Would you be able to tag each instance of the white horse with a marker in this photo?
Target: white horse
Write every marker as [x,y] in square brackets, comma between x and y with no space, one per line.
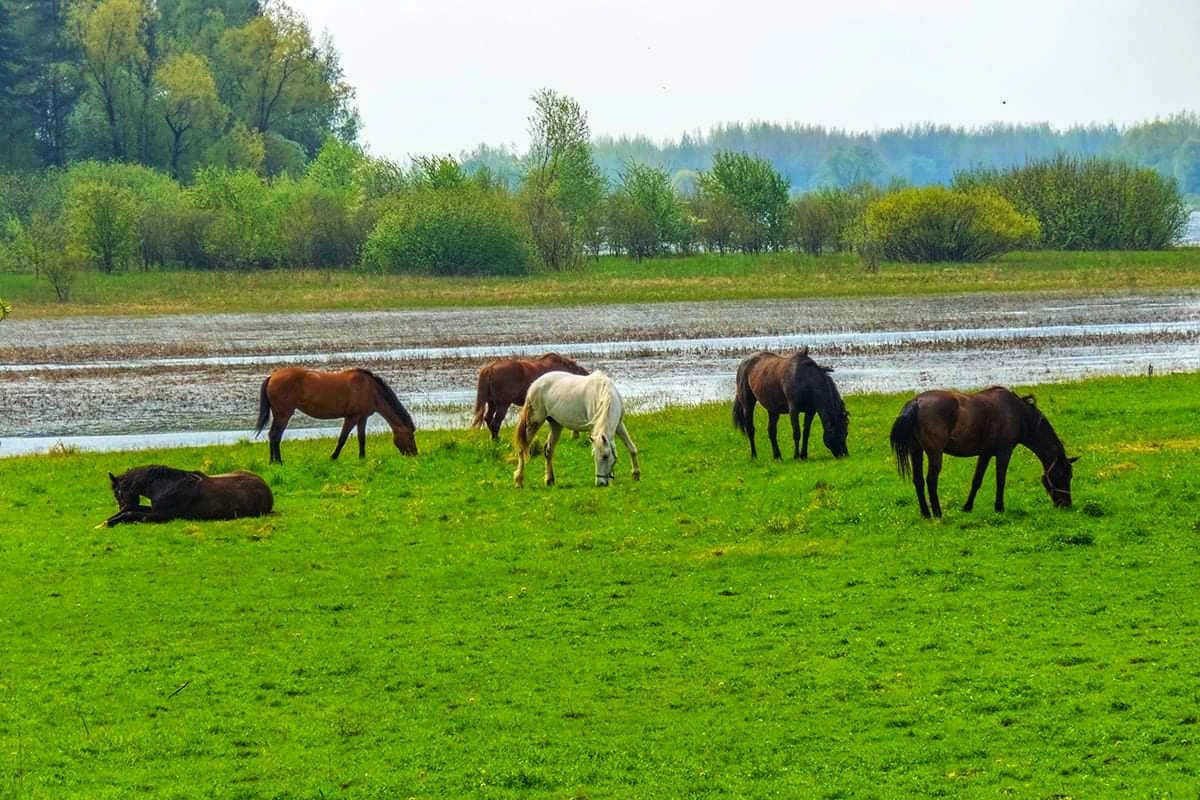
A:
[578,403]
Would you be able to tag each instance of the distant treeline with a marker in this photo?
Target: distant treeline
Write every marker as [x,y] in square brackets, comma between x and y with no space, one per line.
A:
[811,157]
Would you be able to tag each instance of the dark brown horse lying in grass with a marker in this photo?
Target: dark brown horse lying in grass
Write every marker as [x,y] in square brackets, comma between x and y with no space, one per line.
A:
[985,424]
[505,382]
[352,395]
[179,494]
[790,385]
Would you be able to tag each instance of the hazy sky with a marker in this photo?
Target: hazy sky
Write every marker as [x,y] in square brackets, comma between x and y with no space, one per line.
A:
[442,76]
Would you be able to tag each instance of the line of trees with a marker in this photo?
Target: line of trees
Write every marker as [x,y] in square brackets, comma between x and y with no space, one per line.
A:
[349,210]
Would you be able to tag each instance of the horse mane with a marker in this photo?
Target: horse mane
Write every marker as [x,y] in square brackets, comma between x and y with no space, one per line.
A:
[390,396]
[604,400]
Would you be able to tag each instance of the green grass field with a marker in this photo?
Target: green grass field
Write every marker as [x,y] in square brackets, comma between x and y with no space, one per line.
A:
[704,277]
[722,628]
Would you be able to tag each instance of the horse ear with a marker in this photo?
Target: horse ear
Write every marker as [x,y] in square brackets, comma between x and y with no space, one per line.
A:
[1072,460]
[112,477]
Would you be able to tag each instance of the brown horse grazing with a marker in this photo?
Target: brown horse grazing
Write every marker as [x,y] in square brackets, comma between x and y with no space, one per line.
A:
[178,494]
[985,424]
[353,394]
[505,382]
[790,385]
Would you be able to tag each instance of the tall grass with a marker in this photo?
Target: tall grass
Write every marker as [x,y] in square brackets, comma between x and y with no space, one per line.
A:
[722,628]
[705,277]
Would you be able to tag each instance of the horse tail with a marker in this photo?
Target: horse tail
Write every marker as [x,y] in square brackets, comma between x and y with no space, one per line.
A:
[741,420]
[904,433]
[482,390]
[521,432]
[264,407]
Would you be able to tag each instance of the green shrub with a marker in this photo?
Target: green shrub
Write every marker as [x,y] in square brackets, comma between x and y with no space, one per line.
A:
[450,232]
[1090,204]
[932,223]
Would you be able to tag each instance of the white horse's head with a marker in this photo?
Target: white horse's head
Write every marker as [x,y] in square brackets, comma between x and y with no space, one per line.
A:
[604,451]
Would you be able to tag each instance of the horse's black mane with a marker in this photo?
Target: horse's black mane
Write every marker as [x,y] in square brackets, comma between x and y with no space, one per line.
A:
[156,472]
[391,398]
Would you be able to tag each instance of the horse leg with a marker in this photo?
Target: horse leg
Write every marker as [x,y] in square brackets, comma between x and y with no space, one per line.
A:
[362,436]
[981,465]
[808,427]
[526,430]
[551,442]
[748,409]
[931,481]
[633,454]
[794,418]
[279,423]
[917,458]
[347,425]
[496,418]
[772,434]
[138,514]
[1002,459]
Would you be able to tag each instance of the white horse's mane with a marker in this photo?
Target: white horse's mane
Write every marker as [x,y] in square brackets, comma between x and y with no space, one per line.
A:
[604,393]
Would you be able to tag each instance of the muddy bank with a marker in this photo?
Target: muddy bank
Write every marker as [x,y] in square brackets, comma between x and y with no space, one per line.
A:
[194,379]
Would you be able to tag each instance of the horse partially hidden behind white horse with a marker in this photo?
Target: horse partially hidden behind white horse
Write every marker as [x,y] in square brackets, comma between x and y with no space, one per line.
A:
[579,403]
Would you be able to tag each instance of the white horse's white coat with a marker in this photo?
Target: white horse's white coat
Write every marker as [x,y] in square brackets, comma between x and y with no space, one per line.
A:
[580,403]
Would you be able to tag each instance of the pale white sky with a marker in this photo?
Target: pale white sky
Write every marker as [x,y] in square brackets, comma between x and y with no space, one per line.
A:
[442,76]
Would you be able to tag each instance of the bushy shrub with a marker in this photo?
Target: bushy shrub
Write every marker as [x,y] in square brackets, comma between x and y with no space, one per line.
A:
[450,232]
[1090,204]
[933,223]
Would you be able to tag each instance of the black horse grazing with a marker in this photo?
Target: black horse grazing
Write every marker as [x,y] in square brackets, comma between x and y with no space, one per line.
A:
[988,423]
[179,494]
[790,385]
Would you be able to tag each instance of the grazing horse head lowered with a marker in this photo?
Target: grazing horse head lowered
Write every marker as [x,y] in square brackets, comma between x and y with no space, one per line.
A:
[351,395]
[790,385]
[580,403]
[988,423]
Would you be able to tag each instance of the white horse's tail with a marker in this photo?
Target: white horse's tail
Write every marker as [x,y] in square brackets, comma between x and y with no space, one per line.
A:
[520,436]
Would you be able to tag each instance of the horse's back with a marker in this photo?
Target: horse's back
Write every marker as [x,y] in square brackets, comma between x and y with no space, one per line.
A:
[967,424]
[572,400]
[323,395]
[237,494]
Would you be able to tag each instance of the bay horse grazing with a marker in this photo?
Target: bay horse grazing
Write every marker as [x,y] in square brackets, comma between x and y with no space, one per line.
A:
[989,423]
[790,385]
[179,494]
[579,403]
[504,383]
[352,394]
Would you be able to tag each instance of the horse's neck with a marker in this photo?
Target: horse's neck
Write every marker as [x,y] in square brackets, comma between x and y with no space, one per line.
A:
[1043,441]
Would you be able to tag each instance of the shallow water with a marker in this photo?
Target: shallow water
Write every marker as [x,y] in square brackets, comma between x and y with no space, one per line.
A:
[109,383]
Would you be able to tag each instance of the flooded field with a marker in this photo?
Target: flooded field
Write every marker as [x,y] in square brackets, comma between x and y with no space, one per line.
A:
[123,382]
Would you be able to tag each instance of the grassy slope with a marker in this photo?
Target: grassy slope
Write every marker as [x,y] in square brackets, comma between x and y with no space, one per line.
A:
[724,628]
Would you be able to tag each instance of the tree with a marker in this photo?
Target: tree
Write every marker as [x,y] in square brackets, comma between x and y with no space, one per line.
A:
[644,212]
[186,97]
[562,188]
[277,81]
[102,223]
[852,164]
[112,38]
[754,191]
